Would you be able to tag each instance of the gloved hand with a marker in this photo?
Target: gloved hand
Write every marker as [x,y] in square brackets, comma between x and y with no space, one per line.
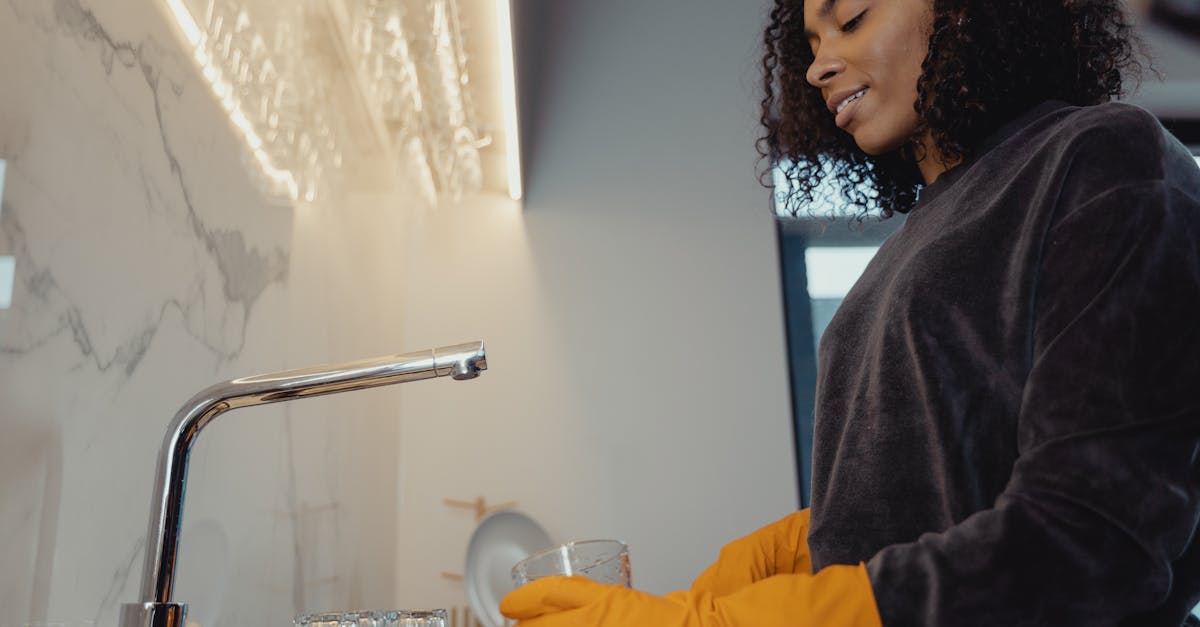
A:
[780,548]
[838,596]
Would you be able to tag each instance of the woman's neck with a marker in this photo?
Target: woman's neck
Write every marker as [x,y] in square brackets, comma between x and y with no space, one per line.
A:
[932,165]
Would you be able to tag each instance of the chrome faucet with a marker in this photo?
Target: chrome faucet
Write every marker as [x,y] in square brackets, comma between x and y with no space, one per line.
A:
[461,362]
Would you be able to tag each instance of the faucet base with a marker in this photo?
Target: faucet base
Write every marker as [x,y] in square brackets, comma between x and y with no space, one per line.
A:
[152,614]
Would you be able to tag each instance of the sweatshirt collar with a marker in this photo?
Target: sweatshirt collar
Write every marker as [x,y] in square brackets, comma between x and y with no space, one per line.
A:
[997,137]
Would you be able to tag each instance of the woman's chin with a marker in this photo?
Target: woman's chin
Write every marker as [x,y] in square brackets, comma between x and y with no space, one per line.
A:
[870,150]
[873,146]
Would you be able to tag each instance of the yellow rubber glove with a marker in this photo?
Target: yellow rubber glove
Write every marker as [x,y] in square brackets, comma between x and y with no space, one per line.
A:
[838,596]
[780,548]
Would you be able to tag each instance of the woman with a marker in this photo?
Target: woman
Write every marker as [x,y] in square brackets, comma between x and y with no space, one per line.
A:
[1006,432]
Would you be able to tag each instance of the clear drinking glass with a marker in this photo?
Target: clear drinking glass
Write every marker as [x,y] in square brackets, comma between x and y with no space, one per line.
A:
[606,561]
[374,618]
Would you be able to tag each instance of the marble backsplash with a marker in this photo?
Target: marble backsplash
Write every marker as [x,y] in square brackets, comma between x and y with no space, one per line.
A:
[148,265]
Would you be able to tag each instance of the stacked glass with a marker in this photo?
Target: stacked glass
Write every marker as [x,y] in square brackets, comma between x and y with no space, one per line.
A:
[374,618]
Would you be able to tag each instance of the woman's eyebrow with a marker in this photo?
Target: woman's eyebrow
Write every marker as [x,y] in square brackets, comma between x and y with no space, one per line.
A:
[823,12]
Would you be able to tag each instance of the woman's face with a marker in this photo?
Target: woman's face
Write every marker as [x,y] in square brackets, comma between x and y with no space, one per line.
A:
[867,59]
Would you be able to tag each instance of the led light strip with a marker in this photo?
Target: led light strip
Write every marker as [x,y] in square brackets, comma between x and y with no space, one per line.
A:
[509,87]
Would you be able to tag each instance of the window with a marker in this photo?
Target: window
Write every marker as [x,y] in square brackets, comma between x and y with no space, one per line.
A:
[820,257]
[831,272]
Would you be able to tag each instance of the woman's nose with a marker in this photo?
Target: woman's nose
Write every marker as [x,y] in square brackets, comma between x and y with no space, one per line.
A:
[824,67]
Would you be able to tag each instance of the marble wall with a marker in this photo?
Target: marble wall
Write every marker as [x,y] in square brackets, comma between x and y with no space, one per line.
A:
[148,265]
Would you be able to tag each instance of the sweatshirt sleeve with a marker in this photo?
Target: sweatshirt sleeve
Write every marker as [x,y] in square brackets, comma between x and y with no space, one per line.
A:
[1099,514]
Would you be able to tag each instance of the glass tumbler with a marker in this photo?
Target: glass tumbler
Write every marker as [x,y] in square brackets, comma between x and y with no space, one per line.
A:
[605,561]
[374,618]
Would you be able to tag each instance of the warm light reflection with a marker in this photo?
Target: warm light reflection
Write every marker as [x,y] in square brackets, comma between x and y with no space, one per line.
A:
[417,101]
[509,86]
[223,90]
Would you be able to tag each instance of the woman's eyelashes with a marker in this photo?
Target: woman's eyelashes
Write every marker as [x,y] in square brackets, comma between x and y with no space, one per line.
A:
[853,23]
[848,27]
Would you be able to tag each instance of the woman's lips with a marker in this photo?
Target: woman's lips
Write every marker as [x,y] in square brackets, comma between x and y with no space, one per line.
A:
[847,113]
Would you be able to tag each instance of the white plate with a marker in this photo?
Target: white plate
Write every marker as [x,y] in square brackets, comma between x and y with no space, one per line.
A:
[500,540]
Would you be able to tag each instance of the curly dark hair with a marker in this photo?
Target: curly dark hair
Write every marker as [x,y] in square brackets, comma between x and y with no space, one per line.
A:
[988,61]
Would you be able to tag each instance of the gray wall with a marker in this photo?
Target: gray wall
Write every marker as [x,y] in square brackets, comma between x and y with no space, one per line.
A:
[638,384]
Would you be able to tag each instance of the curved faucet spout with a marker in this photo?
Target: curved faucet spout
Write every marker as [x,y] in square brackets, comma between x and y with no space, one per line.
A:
[460,361]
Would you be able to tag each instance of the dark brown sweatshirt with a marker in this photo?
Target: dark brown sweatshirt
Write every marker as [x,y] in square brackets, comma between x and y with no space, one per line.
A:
[1008,400]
